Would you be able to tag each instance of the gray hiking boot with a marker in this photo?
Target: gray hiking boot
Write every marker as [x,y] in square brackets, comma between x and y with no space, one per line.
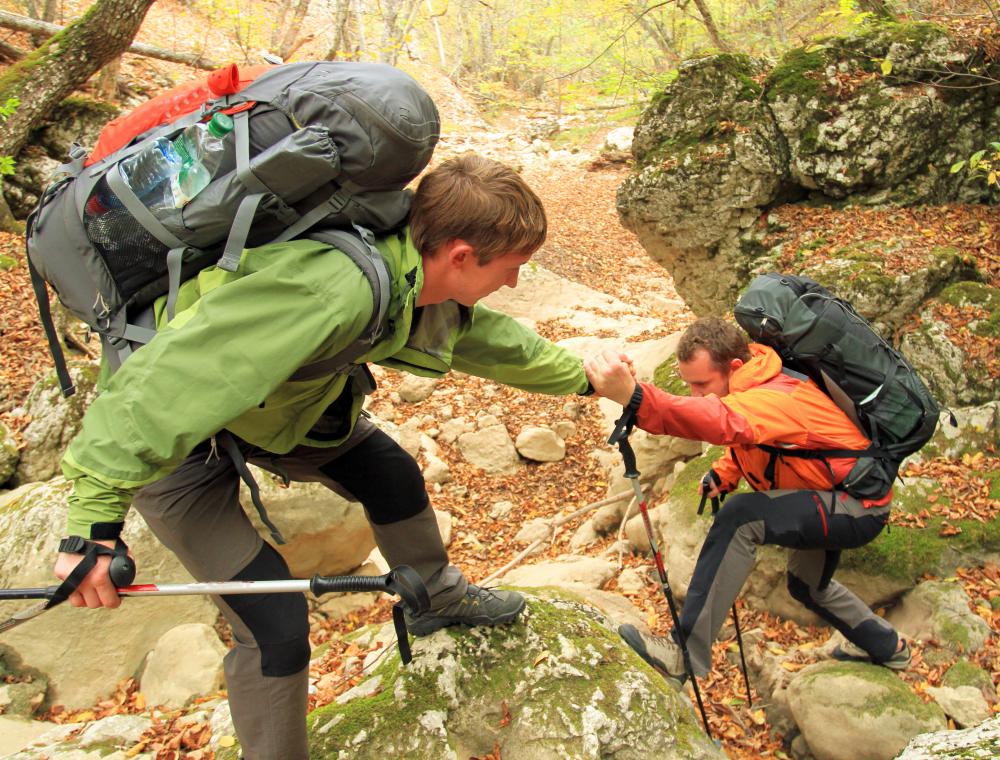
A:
[479,606]
[848,652]
[661,652]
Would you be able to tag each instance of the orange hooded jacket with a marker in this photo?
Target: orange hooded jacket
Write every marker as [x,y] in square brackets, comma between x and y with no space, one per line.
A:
[763,406]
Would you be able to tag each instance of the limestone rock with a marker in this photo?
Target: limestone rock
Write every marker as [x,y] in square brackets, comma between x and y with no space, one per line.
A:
[570,686]
[540,445]
[72,646]
[9,454]
[978,428]
[185,663]
[17,733]
[586,571]
[964,673]
[964,704]
[631,581]
[698,189]
[565,429]
[584,536]
[490,449]
[940,610]
[121,731]
[55,422]
[620,138]
[415,389]
[533,530]
[952,376]
[850,711]
[325,533]
[501,509]
[453,428]
[436,470]
[979,743]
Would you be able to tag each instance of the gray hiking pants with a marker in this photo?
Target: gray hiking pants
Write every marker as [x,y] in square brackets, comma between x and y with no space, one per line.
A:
[801,521]
[195,512]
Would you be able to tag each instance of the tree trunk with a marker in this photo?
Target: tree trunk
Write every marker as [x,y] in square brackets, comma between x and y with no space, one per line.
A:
[277,31]
[342,33]
[710,27]
[25,24]
[43,79]
[292,30]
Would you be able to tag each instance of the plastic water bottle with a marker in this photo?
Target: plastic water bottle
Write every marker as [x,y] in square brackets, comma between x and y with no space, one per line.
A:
[151,174]
[201,149]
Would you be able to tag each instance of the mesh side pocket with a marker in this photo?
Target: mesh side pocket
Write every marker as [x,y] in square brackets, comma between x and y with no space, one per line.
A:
[133,256]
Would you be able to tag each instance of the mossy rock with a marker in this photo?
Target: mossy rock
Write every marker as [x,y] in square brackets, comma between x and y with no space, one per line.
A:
[557,683]
[842,707]
[667,378]
[964,673]
[939,611]
[7,262]
[9,454]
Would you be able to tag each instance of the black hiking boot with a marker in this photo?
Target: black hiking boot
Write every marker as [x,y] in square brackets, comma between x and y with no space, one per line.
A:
[479,606]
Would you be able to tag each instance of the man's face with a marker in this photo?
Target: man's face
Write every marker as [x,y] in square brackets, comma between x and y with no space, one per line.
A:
[703,376]
[475,281]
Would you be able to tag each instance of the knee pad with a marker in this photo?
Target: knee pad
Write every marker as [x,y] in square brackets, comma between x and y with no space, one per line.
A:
[279,622]
[798,589]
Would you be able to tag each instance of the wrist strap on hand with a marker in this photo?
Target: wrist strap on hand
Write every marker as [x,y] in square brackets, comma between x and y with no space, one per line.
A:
[121,572]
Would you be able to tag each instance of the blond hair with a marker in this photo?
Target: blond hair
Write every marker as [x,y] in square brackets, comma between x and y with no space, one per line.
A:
[480,201]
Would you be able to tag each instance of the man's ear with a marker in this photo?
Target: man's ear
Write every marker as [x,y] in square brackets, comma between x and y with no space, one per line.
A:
[459,252]
[735,364]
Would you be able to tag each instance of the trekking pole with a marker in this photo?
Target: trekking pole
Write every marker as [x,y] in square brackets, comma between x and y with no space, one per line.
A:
[402,581]
[623,427]
[707,483]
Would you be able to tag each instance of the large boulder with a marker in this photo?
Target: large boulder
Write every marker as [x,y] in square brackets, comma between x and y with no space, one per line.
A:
[850,711]
[325,533]
[85,653]
[55,421]
[852,118]
[558,683]
[976,428]
[185,663]
[705,166]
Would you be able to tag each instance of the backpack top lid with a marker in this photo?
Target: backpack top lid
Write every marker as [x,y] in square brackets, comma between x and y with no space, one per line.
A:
[383,122]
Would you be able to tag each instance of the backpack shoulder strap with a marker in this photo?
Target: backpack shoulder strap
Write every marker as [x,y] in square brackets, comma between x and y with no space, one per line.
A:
[360,248]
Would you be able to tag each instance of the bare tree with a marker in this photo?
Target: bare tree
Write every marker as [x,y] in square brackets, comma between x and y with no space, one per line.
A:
[710,27]
[289,41]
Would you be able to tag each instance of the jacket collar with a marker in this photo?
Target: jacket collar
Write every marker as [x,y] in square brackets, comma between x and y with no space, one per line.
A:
[764,365]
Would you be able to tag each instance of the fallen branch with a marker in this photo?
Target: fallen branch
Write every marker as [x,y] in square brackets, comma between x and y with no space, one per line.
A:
[45,29]
[553,525]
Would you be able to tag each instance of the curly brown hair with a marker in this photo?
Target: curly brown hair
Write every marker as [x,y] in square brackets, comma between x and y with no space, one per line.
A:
[480,201]
[723,341]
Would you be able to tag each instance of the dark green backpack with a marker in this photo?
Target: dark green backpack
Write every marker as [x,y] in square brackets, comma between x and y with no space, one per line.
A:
[823,337]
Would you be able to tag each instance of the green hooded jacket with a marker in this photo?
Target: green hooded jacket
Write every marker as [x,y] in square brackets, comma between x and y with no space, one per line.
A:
[224,360]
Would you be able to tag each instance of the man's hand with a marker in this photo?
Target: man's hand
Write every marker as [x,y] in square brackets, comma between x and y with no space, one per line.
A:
[612,374]
[96,589]
[710,486]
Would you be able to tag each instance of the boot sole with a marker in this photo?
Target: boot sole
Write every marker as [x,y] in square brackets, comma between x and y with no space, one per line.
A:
[425,628]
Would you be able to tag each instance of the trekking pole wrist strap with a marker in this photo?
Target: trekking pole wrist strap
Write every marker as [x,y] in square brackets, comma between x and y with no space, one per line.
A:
[121,571]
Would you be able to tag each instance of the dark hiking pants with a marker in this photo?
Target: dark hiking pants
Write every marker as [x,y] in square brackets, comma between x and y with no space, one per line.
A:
[195,511]
[801,521]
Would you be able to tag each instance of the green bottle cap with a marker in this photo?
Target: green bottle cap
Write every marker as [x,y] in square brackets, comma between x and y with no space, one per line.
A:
[220,125]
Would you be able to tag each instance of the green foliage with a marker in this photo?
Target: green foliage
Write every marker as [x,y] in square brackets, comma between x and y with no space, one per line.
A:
[6,111]
[983,163]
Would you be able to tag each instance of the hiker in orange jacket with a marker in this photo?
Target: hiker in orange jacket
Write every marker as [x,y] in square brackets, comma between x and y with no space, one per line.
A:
[743,398]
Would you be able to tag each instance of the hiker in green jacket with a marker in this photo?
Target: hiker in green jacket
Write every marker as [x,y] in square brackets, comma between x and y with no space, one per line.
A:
[225,363]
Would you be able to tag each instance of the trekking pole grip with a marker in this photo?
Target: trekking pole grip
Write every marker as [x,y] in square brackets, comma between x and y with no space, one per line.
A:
[619,437]
[402,581]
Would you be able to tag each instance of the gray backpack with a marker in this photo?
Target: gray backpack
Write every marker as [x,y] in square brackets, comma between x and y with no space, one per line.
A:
[316,146]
